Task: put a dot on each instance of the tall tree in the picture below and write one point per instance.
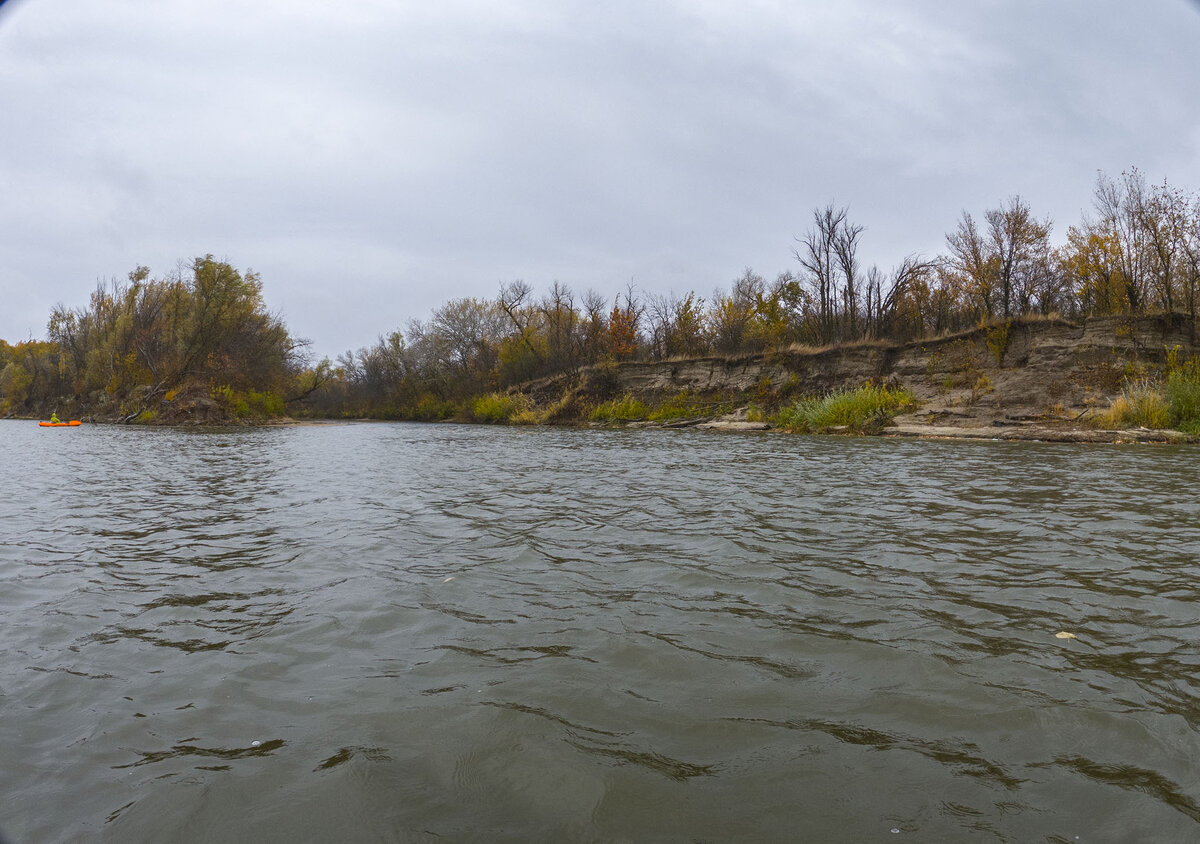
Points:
(624, 323)
(1116, 203)
(971, 257)
(845, 247)
(1007, 268)
(732, 313)
(828, 253)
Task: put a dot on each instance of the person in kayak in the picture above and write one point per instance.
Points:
(54, 416)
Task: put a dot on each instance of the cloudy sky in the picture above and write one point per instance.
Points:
(374, 158)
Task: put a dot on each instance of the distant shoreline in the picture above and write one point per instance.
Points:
(1045, 379)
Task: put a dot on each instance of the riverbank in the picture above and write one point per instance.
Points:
(1034, 379)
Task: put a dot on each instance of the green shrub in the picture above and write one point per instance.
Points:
(624, 409)
(430, 408)
(1173, 402)
(248, 404)
(1183, 401)
(1191, 426)
(496, 408)
(263, 404)
(678, 406)
(997, 339)
(868, 408)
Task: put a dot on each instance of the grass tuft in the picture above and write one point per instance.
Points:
(497, 408)
(1141, 404)
(624, 409)
(866, 409)
(1182, 392)
(1173, 402)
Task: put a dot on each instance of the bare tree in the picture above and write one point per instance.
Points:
(659, 315)
(1021, 246)
(594, 329)
(1164, 215)
(817, 254)
(513, 295)
(470, 330)
(511, 302)
(885, 290)
(560, 322)
(845, 247)
(1008, 267)
(1116, 204)
(1191, 288)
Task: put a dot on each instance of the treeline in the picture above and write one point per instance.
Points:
(142, 343)
(1139, 251)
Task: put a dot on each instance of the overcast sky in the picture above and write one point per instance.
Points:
(375, 158)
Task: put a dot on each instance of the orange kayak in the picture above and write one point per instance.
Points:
(70, 424)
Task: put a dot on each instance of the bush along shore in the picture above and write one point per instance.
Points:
(197, 346)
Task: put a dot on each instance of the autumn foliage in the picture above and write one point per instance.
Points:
(141, 342)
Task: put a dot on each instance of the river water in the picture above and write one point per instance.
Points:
(379, 632)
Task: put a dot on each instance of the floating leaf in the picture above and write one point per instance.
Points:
(1063, 634)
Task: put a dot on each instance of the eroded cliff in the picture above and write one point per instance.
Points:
(1008, 374)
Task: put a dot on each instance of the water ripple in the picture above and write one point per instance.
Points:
(417, 631)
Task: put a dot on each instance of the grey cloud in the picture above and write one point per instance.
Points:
(373, 159)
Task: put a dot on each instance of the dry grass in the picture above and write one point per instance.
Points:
(1173, 402)
(863, 343)
(1140, 405)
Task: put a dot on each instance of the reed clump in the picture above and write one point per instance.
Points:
(864, 410)
(624, 409)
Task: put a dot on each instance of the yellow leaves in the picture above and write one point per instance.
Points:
(622, 331)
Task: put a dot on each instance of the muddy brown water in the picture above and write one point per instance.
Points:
(443, 633)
